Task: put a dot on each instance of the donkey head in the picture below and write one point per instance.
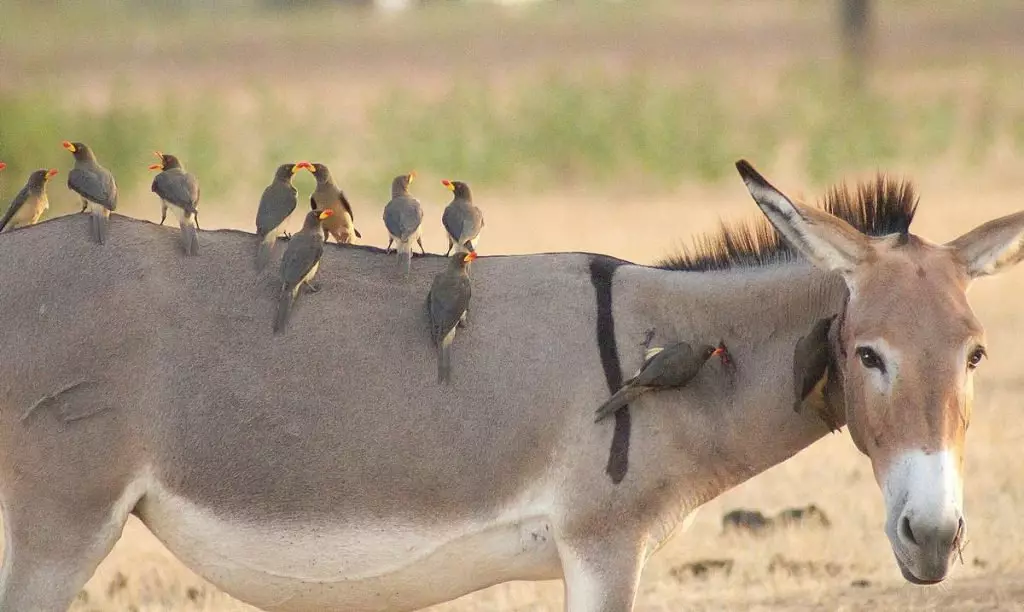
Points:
(908, 346)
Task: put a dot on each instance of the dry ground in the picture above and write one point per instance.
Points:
(847, 566)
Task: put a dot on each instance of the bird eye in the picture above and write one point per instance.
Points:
(976, 356)
(870, 359)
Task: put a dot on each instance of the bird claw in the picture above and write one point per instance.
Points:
(313, 287)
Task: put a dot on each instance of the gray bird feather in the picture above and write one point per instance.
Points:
(403, 216)
(447, 300)
(462, 220)
(28, 195)
(304, 252)
(94, 183)
(810, 360)
(177, 187)
(669, 368)
(276, 204)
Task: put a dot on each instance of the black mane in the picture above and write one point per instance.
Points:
(877, 208)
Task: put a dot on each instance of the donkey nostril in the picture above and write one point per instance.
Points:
(906, 532)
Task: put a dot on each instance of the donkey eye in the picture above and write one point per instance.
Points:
(976, 356)
(870, 359)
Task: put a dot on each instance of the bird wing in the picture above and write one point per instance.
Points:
(178, 188)
(346, 205)
(671, 367)
(403, 216)
(303, 252)
(16, 204)
(462, 220)
(810, 358)
(95, 184)
(449, 298)
(278, 201)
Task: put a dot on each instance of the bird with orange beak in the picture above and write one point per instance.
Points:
(670, 367)
(403, 218)
(300, 263)
(95, 185)
(276, 204)
(447, 305)
(30, 203)
(462, 219)
(328, 196)
(178, 190)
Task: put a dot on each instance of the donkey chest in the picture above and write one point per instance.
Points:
(331, 563)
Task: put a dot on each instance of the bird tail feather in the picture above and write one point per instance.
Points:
(98, 223)
(284, 308)
(189, 235)
(264, 250)
(404, 249)
(444, 358)
(621, 397)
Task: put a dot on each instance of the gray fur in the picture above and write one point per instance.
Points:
(245, 430)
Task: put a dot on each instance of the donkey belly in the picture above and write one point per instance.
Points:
(329, 563)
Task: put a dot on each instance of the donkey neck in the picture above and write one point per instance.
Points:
(735, 424)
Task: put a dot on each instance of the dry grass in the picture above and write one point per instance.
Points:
(89, 57)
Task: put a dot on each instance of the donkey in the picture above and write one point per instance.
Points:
(298, 474)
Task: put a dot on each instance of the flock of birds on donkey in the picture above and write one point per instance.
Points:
(331, 215)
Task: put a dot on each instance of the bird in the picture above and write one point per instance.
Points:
(462, 219)
(811, 360)
(179, 190)
(299, 264)
(276, 204)
(667, 367)
(447, 303)
(95, 185)
(328, 196)
(30, 203)
(403, 216)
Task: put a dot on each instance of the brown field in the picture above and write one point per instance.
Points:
(847, 566)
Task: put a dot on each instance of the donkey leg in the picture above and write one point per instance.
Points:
(51, 550)
(600, 577)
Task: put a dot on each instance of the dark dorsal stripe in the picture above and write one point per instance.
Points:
(602, 269)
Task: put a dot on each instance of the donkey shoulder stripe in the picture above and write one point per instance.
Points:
(602, 269)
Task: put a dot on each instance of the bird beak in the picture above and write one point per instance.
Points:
(2, 165)
(326, 213)
(412, 176)
(448, 184)
(471, 256)
(157, 167)
(718, 351)
(303, 164)
(67, 145)
(52, 173)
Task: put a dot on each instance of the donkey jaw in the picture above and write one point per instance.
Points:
(924, 513)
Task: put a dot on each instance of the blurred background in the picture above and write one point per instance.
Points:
(581, 125)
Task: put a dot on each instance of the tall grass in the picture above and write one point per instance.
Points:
(551, 132)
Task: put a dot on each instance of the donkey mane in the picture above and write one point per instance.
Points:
(877, 208)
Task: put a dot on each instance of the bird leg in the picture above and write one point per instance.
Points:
(163, 213)
(388, 249)
(450, 244)
(311, 286)
(419, 240)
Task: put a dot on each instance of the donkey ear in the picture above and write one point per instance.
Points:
(826, 240)
(992, 247)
